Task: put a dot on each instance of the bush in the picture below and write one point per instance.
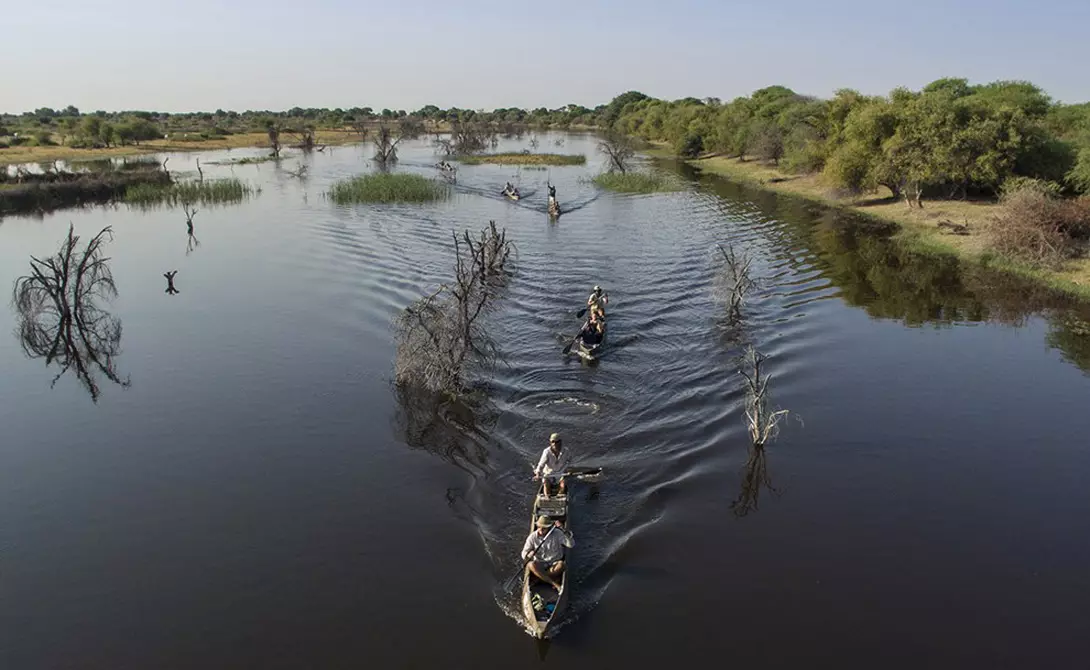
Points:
(689, 145)
(1040, 229)
(1015, 184)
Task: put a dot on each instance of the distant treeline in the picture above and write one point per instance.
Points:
(949, 139)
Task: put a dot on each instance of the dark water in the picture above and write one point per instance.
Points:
(259, 496)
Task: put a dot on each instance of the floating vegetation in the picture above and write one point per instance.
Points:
(524, 159)
(206, 192)
(638, 182)
(388, 187)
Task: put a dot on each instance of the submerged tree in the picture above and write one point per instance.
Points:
(386, 145)
(60, 318)
(763, 422)
(734, 280)
(442, 335)
(620, 149)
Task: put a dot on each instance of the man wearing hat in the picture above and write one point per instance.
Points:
(546, 544)
(597, 300)
(553, 463)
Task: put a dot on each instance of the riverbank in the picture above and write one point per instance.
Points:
(25, 154)
(918, 228)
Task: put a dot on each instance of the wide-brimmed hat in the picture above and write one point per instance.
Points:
(543, 521)
(555, 437)
(597, 289)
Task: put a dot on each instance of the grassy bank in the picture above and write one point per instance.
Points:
(387, 187)
(919, 228)
(515, 158)
(207, 192)
(26, 154)
(638, 182)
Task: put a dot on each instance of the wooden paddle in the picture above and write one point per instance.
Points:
(582, 472)
(567, 349)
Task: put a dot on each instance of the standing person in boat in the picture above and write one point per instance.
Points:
(597, 300)
(552, 198)
(546, 545)
(551, 466)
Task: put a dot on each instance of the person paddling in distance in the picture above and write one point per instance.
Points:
(551, 466)
(597, 300)
(545, 545)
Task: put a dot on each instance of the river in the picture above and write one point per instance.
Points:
(253, 493)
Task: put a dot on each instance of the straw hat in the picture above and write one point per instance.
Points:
(543, 521)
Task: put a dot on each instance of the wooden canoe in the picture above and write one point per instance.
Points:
(550, 601)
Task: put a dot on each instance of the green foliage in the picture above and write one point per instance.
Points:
(387, 187)
(1079, 176)
(637, 182)
(1041, 186)
(689, 145)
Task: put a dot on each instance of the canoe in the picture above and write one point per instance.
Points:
(513, 196)
(591, 352)
(554, 208)
(541, 603)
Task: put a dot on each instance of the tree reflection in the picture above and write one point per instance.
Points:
(754, 478)
(449, 427)
(60, 317)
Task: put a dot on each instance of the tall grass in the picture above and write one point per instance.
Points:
(637, 182)
(524, 159)
(208, 192)
(387, 187)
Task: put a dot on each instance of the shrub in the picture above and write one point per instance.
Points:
(1015, 184)
(1038, 228)
(689, 145)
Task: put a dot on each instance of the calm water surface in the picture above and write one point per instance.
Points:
(259, 495)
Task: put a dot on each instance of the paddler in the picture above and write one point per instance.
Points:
(551, 466)
(597, 300)
(546, 544)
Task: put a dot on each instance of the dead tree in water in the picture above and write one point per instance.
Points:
(386, 146)
(734, 280)
(619, 148)
(442, 335)
(763, 423)
(200, 172)
(60, 318)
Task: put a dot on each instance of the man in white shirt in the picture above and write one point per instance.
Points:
(546, 546)
(553, 463)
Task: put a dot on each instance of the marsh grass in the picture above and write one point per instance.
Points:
(523, 159)
(387, 187)
(638, 182)
(207, 192)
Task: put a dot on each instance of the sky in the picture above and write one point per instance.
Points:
(200, 55)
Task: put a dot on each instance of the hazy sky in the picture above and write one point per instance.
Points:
(249, 54)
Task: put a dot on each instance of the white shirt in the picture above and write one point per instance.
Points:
(551, 545)
(551, 462)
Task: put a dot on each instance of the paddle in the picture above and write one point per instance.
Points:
(567, 349)
(580, 313)
(582, 472)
